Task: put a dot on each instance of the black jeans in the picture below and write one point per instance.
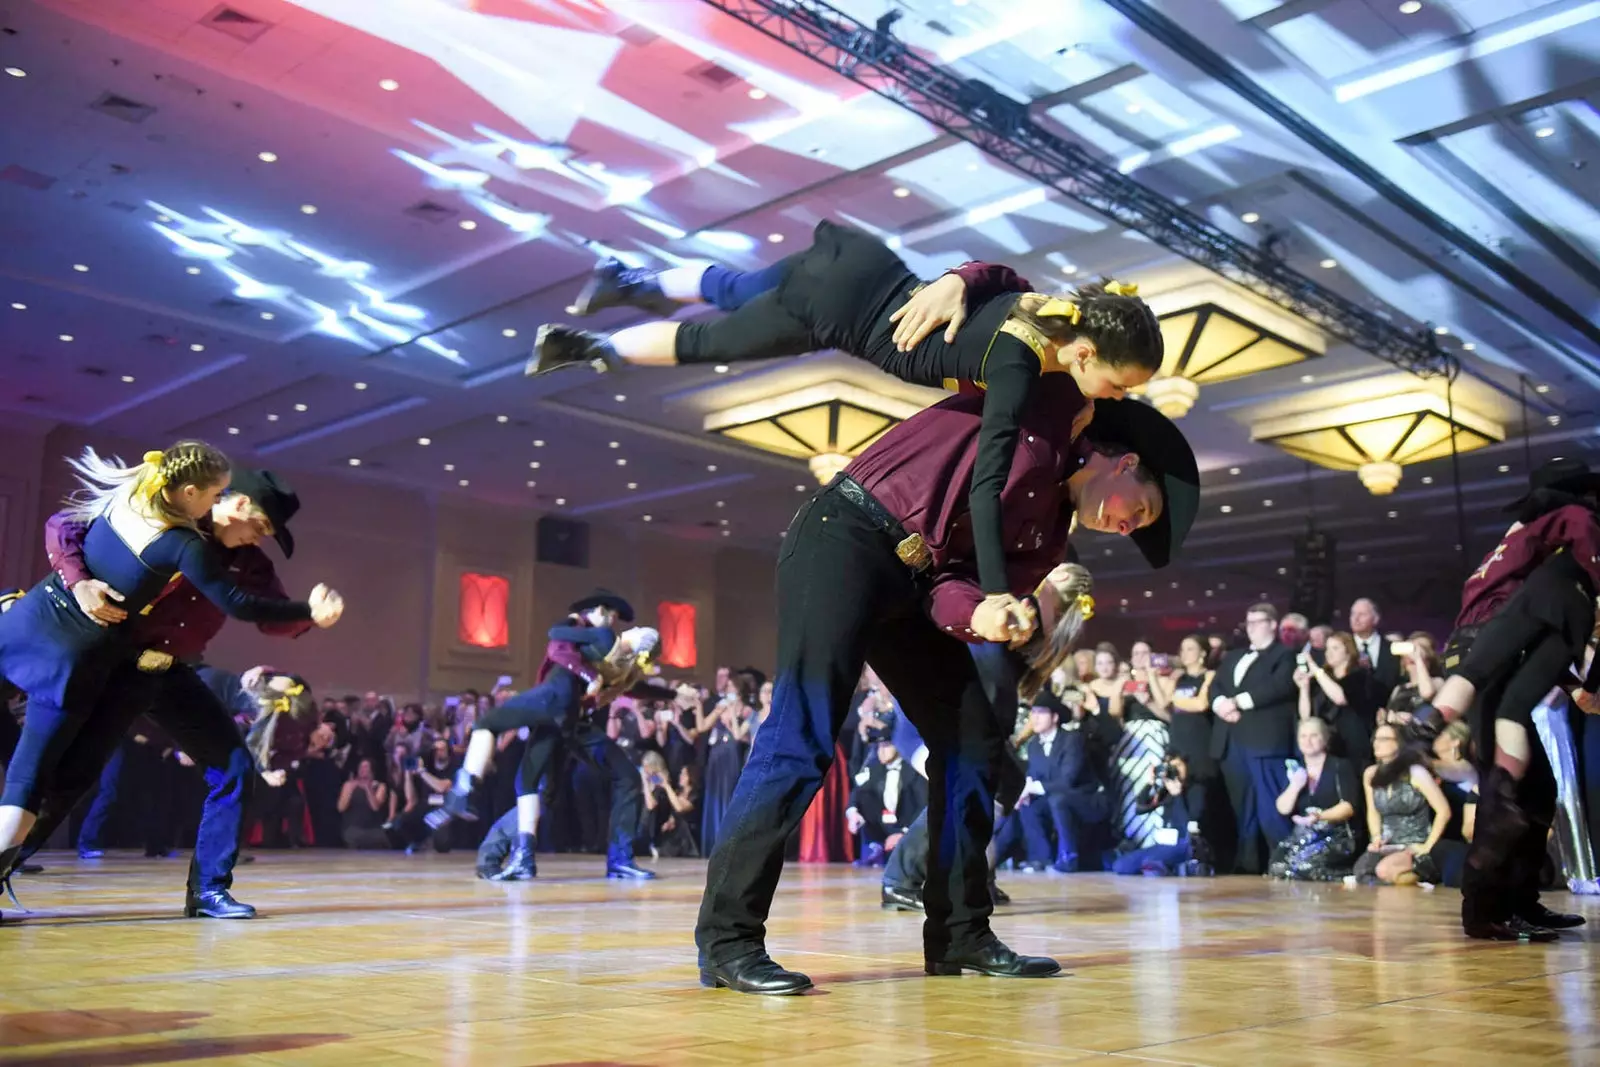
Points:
(844, 599)
(182, 705)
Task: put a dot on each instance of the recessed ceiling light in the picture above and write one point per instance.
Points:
(424, 441)
(16, 72)
(901, 192)
(19, 307)
(1553, 420)
(723, 522)
(1441, 330)
(127, 379)
(81, 268)
(1394, 514)
(1361, 559)
(633, 485)
(66, 337)
(721, 368)
(799, 488)
(1135, 107)
(468, 224)
(361, 385)
(613, 444)
(722, 503)
(621, 398)
(1545, 131)
(268, 157)
(463, 483)
(1281, 570)
(233, 430)
(647, 518)
(775, 238)
(1469, 347)
(1411, 7)
(1505, 468)
(622, 463)
(449, 466)
(1227, 509)
(534, 465)
(268, 316)
(354, 462)
(712, 467)
(532, 483)
(502, 418)
(538, 443)
(1233, 470)
(191, 270)
(1149, 592)
(1069, 269)
(1307, 379)
(197, 348)
(1541, 389)
(272, 417)
(757, 94)
(1266, 503)
(1250, 218)
(561, 501)
(299, 407)
(308, 209)
(1427, 479)
(1328, 264)
(388, 85)
(727, 533)
(508, 332)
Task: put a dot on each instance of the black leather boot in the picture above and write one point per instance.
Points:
(1513, 929)
(562, 346)
(1539, 915)
(520, 865)
(215, 904)
(757, 974)
(614, 284)
(995, 960)
(619, 864)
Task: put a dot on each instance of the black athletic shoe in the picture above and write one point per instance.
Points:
(562, 346)
(614, 284)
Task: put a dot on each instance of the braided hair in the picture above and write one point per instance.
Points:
(101, 480)
(1123, 329)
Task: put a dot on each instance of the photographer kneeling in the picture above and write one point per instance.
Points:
(1179, 848)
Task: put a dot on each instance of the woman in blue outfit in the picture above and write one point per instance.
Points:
(142, 533)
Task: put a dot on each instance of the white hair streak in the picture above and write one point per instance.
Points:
(100, 480)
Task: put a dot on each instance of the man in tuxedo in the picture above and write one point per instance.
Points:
(1373, 648)
(888, 797)
(1062, 790)
(1256, 704)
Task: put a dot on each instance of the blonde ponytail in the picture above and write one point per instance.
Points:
(1072, 585)
(100, 480)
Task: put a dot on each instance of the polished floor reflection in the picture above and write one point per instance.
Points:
(380, 959)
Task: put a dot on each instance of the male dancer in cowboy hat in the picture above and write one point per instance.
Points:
(571, 669)
(1527, 616)
(878, 567)
(165, 686)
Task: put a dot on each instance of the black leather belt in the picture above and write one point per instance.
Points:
(911, 548)
(1458, 644)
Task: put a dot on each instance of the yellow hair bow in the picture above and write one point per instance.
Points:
(1056, 307)
(295, 690)
(1086, 606)
(1122, 289)
(154, 481)
(154, 458)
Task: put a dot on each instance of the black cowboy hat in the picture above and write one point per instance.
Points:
(275, 499)
(1047, 699)
(603, 598)
(1562, 475)
(1162, 449)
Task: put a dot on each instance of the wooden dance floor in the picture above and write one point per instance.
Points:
(383, 959)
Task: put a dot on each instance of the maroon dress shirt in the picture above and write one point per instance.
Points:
(1573, 528)
(181, 622)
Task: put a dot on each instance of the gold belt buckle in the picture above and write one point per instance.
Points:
(153, 662)
(914, 552)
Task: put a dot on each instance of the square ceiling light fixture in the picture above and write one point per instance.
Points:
(827, 424)
(1377, 438)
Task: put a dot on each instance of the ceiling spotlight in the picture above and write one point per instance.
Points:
(463, 483)
(648, 518)
(531, 484)
(268, 157)
(633, 485)
(1541, 389)
(1328, 264)
(538, 443)
(354, 462)
(424, 441)
(1307, 379)
(502, 418)
(66, 337)
(712, 467)
(127, 379)
(1553, 420)
(1069, 269)
(721, 368)
(308, 209)
(534, 465)
(613, 444)
(901, 192)
(1233, 470)
(757, 94)
(1361, 559)
(80, 268)
(388, 85)
(1227, 509)
(1441, 330)
(468, 224)
(1283, 570)
(722, 522)
(15, 306)
(1149, 592)
(1266, 503)
(1469, 347)
(799, 488)
(197, 348)
(16, 72)
(775, 238)
(621, 398)
(1505, 468)
(508, 332)
(1545, 131)
(272, 417)
(268, 316)
(361, 385)
(561, 501)
(1411, 7)
(299, 407)
(622, 463)
(233, 430)
(1394, 514)
(1250, 218)
(1427, 479)
(722, 503)
(449, 466)
(191, 270)
(727, 533)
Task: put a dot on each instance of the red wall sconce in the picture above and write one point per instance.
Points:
(481, 617)
(677, 633)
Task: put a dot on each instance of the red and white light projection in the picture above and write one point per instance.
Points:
(676, 622)
(481, 616)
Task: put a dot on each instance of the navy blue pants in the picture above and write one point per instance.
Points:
(1253, 783)
(182, 705)
(730, 290)
(91, 835)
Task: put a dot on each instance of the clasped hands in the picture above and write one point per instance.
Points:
(1002, 618)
